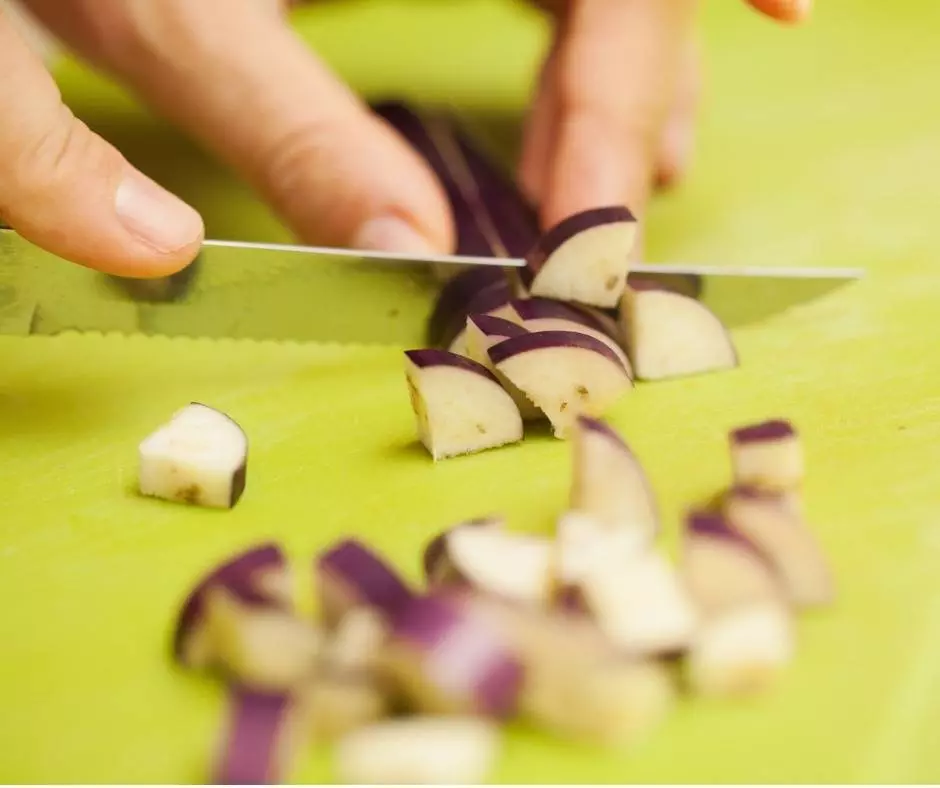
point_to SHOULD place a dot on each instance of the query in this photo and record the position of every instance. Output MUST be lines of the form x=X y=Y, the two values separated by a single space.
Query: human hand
x=235 y=76
x=613 y=113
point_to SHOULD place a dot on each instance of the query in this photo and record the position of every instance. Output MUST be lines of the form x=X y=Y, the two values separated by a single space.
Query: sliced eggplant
x=584 y=258
x=564 y=374
x=767 y=519
x=459 y=405
x=767 y=455
x=608 y=481
x=198 y=457
x=669 y=335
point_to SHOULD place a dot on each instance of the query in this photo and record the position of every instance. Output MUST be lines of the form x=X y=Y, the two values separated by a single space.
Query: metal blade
x=280 y=292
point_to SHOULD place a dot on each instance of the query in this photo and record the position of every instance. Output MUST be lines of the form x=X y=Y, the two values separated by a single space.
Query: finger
x=617 y=72
x=234 y=75
x=784 y=10
x=678 y=138
x=538 y=136
x=68 y=191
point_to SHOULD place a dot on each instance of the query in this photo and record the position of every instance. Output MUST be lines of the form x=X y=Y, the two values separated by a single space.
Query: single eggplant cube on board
x=446 y=659
x=669 y=335
x=199 y=457
x=741 y=652
x=423 y=750
x=459 y=405
x=490 y=560
x=723 y=569
x=257 y=577
x=768 y=520
x=584 y=258
x=545 y=314
x=564 y=374
x=260 y=739
x=608 y=481
x=767 y=455
x=350 y=576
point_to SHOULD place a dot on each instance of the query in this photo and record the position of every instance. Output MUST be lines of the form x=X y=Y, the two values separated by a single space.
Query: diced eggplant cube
x=199 y=457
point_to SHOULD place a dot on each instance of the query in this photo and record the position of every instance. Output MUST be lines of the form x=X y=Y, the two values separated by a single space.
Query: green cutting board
x=819 y=146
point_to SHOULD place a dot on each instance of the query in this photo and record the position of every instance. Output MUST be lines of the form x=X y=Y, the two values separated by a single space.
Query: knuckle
x=45 y=163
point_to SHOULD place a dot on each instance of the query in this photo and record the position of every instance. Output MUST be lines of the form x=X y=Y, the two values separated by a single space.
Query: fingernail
x=391 y=234
x=155 y=216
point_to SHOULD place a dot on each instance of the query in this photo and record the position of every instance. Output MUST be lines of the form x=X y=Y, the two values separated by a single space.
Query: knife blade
x=286 y=292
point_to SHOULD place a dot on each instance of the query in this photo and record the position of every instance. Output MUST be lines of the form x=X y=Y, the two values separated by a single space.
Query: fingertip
x=790 y=11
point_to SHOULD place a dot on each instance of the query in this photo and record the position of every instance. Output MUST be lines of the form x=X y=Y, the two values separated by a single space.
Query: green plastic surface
x=819 y=146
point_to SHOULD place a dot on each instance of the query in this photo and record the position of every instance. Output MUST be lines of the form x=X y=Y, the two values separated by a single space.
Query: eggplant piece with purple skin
x=258 y=577
x=444 y=658
x=455 y=299
x=767 y=455
x=545 y=314
x=494 y=301
x=259 y=741
x=492 y=560
x=484 y=331
x=460 y=406
x=349 y=575
x=492 y=216
x=200 y=457
x=608 y=481
x=770 y=522
x=564 y=374
x=584 y=258
x=723 y=569
x=669 y=335
x=438 y=569
x=577 y=685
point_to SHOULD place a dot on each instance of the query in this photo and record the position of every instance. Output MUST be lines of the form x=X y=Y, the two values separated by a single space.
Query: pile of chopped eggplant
x=566 y=335
x=592 y=633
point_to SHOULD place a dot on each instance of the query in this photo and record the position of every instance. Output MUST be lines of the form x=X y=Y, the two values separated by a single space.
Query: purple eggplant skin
x=543 y=340
x=429 y=623
x=257 y=721
x=492 y=216
x=355 y=565
x=457 y=297
x=434 y=357
x=770 y=430
x=239 y=576
x=539 y=308
x=493 y=326
x=471 y=239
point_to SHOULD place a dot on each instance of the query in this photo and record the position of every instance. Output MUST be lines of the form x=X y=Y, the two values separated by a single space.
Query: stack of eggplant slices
x=591 y=633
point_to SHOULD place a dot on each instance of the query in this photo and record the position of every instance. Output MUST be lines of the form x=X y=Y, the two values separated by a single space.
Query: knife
x=284 y=292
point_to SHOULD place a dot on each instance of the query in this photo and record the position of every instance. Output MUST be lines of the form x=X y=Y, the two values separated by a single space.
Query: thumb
x=68 y=191
x=333 y=171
